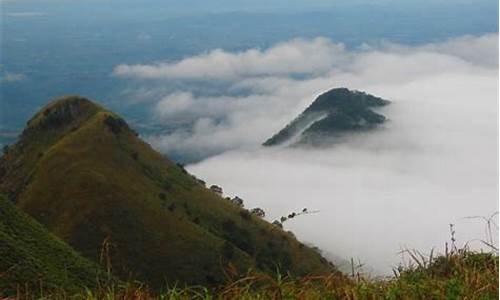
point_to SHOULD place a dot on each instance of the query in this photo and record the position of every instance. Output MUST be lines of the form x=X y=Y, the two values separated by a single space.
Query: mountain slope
x=31 y=256
x=82 y=172
x=336 y=111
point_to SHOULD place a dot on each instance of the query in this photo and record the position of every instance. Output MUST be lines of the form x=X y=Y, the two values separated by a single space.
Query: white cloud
x=298 y=56
x=434 y=162
x=220 y=123
x=12 y=77
x=308 y=57
x=175 y=104
x=480 y=50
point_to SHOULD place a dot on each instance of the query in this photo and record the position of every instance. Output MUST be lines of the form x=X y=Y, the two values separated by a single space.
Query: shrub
x=166 y=185
x=135 y=156
x=163 y=199
x=270 y=258
x=259 y=212
x=115 y=124
x=227 y=250
x=181 y=166
x=238 y=236
x=245 y=214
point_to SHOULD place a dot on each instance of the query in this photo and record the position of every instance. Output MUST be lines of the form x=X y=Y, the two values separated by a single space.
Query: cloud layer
x=256 y=106
x=298 y=56
x=433 y=163
x=12 y=77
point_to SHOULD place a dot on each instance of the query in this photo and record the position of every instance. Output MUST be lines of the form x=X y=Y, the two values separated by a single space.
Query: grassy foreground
x=461 y=274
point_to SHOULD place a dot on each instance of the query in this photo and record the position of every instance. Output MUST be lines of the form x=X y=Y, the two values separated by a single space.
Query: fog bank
x=433 y=163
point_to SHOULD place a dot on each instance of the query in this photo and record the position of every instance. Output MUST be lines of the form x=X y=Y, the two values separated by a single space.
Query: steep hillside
x=84 y=174
x=31 y=256
x=336 y=111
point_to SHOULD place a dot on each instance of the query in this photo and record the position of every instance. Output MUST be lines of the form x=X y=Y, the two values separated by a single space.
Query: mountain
x=82 y=172
x=335 y=112
x=30 y=256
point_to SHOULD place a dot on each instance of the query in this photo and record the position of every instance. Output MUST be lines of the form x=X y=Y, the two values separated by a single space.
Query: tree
x=292 y=215
x=259 y=212
x=237 y=201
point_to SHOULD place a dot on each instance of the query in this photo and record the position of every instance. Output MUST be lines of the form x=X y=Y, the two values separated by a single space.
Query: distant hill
x=335 y=112
x=81 y=171
x=32 y=256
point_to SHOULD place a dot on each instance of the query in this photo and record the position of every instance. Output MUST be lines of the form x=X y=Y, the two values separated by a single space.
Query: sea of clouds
x=434 y=162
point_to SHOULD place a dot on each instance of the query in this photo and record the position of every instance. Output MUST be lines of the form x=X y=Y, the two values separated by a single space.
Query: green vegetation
x=33 y=258
x=336 y=111
x=84 y=174
x=458 y=275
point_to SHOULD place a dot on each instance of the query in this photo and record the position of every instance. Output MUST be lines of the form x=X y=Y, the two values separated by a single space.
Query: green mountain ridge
x=32 y=256
x=331 y=114
x=79 y=170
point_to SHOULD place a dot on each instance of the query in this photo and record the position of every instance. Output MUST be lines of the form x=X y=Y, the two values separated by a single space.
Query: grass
x=461 y=274
x=30 y=255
